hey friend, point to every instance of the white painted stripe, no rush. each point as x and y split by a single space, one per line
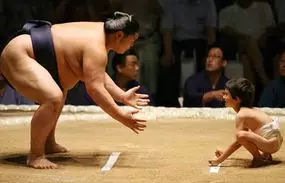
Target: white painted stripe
215 169
111 161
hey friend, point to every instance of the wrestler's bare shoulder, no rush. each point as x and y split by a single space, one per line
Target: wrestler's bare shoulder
79 32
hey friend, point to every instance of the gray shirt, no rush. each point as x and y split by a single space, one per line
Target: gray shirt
188 18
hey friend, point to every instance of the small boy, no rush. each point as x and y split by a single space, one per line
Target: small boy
255 130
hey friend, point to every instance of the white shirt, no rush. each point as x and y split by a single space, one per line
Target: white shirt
252 21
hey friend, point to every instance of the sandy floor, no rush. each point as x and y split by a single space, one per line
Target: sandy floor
168 151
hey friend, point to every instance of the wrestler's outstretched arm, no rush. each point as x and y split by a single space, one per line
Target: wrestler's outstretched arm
94 63
129 97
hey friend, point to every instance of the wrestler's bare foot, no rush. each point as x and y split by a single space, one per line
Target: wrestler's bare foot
40 163
54 148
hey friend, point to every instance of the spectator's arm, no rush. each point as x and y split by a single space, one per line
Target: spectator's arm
192 97
207 97
268 17
233 33
167 42
211 23
167 26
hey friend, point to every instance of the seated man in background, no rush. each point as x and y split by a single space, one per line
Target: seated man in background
126 70
273 94
10 96
206 89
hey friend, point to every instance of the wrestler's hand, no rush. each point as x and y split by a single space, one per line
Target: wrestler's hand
130 120
136 100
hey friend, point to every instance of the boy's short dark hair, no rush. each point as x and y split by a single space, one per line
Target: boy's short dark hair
121 22
243 89
120 59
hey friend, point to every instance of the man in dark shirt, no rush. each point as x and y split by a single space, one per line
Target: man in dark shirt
126 69
206 88
273 94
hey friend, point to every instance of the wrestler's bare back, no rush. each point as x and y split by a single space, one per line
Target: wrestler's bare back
70 41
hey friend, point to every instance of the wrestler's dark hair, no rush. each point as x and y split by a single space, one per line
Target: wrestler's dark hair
121 22
243 89
120 59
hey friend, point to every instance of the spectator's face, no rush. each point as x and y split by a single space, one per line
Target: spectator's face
215 60
282 65
131 68
125 42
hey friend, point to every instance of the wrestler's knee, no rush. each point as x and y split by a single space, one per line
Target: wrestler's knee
241 136
54 102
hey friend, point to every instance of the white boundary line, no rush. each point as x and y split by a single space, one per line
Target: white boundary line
215 169
111 161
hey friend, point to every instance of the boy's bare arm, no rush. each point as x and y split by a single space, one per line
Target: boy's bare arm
230 150
234 146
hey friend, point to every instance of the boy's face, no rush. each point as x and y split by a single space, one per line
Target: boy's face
229 100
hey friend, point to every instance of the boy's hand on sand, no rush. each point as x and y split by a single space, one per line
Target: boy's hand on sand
218 153
214 162
130 120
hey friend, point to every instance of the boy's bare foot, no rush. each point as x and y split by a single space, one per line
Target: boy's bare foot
54 148
267 156
258 162
40 163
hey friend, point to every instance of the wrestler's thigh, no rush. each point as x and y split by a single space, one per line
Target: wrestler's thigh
31 80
